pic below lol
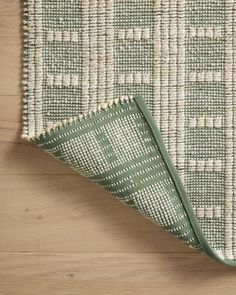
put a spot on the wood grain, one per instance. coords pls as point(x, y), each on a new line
point(26, 158)
point(10, 7)
point(114, 273)
point(10, 53)
point(62, 234)
point(10, 118)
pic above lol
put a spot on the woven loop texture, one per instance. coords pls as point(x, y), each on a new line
point(92, 57)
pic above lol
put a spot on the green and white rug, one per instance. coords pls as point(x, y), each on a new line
point(139, 96)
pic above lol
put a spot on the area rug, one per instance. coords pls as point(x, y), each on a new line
point(139, 96)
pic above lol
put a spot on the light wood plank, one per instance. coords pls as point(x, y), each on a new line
point(10, 7)
point(70, 213)
point(26, 158)
point(10, 118)
point(10, 52)
point(114, 274)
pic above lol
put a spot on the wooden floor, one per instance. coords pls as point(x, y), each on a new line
point(62, 234)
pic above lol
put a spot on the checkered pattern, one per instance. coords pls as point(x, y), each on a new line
point(179, 55)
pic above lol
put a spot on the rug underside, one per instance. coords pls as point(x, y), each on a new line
point(138, 96)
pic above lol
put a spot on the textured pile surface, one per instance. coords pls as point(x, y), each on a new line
point(179, 56)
